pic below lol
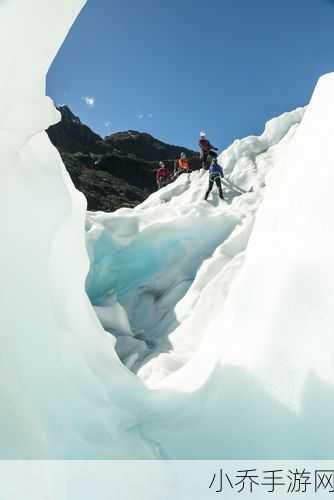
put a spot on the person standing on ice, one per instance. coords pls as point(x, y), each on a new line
point(215, 173)
point(162, 175)
point(183, 164)
point(206, 149)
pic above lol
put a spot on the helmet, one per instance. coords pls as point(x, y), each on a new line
point(202, 134)
point(161, 164)
point(183, 155)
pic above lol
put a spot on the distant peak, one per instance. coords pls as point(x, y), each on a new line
point(129, 133)
point(67, 114)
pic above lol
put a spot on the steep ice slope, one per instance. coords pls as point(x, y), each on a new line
point(64, 393)
point(261, 384)
point(171, 261)
point(246, 161)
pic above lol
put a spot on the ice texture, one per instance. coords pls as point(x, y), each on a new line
point(170, 262)
point(64, 392)
point(261, 384)
point(223, 310)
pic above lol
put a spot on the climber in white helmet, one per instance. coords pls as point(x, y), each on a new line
point(206, 149)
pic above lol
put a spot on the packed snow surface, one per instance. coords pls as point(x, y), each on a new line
point(217, 316)
point(160, 273)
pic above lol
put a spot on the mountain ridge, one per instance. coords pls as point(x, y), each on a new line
point(114, 172)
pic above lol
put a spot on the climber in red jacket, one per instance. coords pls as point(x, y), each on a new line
point(163, 175)
point(206, 149)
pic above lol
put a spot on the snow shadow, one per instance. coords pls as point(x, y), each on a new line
point(235, 418)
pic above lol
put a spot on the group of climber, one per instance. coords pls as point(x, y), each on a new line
point(164, 176)
point(182, 165)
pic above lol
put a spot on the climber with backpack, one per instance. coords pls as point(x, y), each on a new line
point(163, 176)
point(206, 149)
point(215, 174)
point(183, 164)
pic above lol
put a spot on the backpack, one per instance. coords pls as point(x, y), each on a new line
point(215, 170)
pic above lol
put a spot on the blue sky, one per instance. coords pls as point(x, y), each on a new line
point(173, 68)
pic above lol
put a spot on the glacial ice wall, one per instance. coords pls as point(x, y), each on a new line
point(261, 384)
point(64, 393)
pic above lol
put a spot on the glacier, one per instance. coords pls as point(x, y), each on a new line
point(181, 329)
point(160, 263)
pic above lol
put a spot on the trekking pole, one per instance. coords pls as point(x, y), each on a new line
point(232, 186)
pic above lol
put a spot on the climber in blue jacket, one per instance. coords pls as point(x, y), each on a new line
point(215, 173)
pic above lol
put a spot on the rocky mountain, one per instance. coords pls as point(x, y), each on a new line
point(117, 171)
point(72, 136)
point(144, 146)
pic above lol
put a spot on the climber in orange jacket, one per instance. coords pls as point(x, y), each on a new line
point(183, 164)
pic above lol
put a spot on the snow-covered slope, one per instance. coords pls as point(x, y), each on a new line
point(261, 383)
point(160, 273)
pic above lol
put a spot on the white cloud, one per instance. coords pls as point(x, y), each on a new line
point(107, 124)
point(89, 100)
point(141, 116)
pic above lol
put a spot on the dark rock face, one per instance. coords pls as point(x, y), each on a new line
point(72, 136)
point(103, 190)
point(118, 171)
